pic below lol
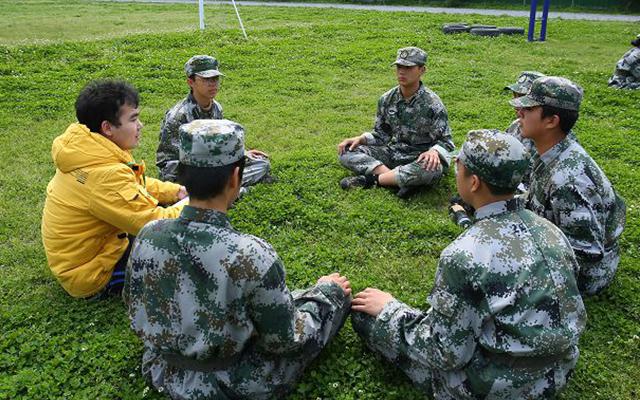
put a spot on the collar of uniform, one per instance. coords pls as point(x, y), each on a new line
point(554, 152)
point(400, 97)
point(205, 215)
point(499, 207)
point(192, 99)
point(201, 110)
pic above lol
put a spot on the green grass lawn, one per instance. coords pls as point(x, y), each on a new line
point(304, 80)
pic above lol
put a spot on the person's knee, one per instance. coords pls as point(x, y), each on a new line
point(346, 159)
point(415, 175)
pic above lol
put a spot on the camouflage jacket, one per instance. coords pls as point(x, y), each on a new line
point(627, 72)
point(184, 112)
point(569, 189)
point(412, 126)
point(505, 313)
point(197, 289)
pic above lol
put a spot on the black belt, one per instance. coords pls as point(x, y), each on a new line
point(526, 362)
point(210, 365)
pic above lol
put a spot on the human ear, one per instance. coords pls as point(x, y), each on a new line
point(475, 183)
point(552, 121)
point(235, 182)
point(105, 128)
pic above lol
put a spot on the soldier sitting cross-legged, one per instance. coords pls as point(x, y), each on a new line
point(410, 144)
point(506, 313)
point(210, 303)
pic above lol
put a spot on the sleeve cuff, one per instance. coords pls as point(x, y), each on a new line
point(369, 138)
point(332, 291)
point(389, 310)
point(445, 156)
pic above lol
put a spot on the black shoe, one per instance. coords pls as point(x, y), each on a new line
point(362, 181)
point(269, 179)
point(406, 192)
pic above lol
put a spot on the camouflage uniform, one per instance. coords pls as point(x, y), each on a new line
point(569, 189)
point(211, 304)
point(188, 110)
point(404, 129)
point(627, 72)
point(505, 315)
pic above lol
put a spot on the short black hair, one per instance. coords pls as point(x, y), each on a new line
point(101, 100)
point(636, 42)
point(493, 189)
point(568, 118)
point(204, 183)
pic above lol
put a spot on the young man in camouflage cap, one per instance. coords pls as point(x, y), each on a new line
point(627, 72)
point(210, 303)
point(411, 140)
point(203, 78)
point(518, 89)
point(567, 186)
point(506, 313)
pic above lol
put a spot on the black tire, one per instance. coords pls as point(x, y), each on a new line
point(511, 30)
point(492, 32)
point(455, 29)
point(456, 24)
point(480, 26)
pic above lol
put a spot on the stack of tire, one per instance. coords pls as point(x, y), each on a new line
point(481, 30)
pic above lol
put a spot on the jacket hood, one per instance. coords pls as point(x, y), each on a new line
point(78, 147)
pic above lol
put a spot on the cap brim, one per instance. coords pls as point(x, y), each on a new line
point(209, 73)
point(405, 63)
point(515, 88)
point(524, 102)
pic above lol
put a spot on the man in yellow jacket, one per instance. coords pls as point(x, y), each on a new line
point(99, 196)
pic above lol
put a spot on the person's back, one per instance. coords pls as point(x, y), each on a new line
point(512, 273)
point(99, 196)
point(506, 313)
point(210, 303)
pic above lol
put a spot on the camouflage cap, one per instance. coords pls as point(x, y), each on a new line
point(523, 84)
point(211, 143)
point(551, 91)
point(410, 56)
point(496, 158)
point(204, 66)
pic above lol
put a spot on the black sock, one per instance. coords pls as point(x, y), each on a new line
point(371, 179)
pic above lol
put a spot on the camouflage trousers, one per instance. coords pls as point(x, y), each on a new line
point(596, 276)
point(255, 169)
point(364, 159)
point(485, 376)
point(255, 375)
point(419, 374)
point(620, 82)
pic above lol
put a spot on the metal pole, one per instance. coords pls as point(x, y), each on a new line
point(239, 19)
point(532, 19)
point(201, 11)
point(545, 14)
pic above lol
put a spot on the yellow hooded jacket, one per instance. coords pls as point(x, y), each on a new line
point(94, 200)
